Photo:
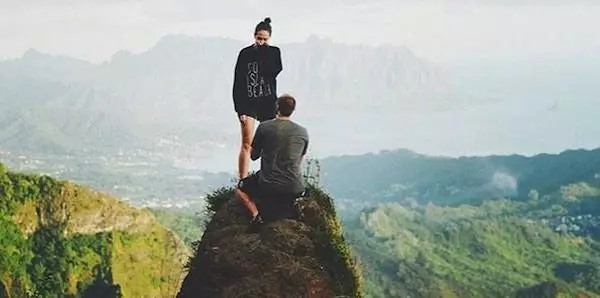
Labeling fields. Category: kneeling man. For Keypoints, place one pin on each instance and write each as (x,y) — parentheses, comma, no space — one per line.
(281,144)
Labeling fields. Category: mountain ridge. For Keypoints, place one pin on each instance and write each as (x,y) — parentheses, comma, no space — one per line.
(405,174)
(166,41)
(185,81)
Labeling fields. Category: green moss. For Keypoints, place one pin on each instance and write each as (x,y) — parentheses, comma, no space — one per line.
(344,271)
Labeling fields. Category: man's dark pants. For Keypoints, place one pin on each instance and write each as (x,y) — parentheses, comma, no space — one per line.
(271,205)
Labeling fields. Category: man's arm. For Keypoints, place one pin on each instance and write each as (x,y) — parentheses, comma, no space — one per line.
(305,149)
(257,144)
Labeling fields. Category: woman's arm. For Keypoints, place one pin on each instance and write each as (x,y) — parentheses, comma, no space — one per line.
(270,58)
(278,67)
(239,90)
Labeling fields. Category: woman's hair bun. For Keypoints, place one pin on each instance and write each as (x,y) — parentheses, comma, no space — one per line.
(267,20)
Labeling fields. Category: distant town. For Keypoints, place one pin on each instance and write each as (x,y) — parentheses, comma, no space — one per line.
(141,178)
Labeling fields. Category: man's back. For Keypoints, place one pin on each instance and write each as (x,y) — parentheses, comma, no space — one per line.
(283,144)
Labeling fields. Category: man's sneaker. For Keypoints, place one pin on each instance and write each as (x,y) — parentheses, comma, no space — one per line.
(257,219)
(255,223)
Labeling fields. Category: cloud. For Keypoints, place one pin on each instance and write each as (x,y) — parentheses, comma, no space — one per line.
(438,29)
(489,32)
(91,30)
(184,11)
(504,181)
(484,2)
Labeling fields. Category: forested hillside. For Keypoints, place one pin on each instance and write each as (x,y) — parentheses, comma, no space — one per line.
(58,239)
(490,250)
(393,175)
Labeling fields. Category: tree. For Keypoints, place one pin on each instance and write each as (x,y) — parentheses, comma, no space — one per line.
(6,192)
(49,269)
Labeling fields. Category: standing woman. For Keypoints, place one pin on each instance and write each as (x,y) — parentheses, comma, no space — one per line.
(255,88)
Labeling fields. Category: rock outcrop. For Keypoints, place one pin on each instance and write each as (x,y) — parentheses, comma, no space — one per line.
(306,257)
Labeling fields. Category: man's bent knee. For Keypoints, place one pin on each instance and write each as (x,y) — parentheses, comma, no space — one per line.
(240,193)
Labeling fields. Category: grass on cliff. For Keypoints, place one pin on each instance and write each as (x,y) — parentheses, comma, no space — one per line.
(344,272)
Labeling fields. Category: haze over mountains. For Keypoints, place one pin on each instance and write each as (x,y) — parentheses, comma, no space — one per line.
(144,125)
(174,100)
(180,90)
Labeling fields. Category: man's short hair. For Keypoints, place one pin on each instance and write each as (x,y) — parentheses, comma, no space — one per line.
(286,104)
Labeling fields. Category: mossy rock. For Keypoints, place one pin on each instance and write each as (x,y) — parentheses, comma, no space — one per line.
(307,257)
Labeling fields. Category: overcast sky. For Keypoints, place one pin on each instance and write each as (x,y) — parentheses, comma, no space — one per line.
(497,29)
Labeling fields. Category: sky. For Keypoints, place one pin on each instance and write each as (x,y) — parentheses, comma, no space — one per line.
(440,30)
(511,34)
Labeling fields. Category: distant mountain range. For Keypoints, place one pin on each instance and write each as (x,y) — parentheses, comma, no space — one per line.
(180,89)
(405,176)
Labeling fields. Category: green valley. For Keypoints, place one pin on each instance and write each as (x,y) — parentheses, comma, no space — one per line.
(541,241)
(500,248)
(488,251)
(509,226)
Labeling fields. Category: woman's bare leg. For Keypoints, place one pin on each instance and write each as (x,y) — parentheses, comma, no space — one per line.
(247,127)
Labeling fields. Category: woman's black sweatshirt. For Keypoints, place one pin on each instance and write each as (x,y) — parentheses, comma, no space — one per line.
(255,78)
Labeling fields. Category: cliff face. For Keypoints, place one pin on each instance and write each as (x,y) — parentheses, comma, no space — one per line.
(62,240)
(307,257)
(84,211)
